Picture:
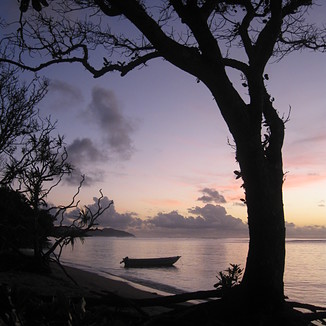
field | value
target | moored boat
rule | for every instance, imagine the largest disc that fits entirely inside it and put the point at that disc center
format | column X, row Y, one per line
column 150, row 262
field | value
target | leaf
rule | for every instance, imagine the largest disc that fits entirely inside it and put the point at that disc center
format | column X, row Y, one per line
column 238, row 174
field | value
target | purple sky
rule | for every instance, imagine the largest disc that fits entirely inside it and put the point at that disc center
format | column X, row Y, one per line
column 155, row 142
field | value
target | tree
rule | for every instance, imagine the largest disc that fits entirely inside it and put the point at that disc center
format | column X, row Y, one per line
column 198, row 37
column 18, row 115
column 41, row 167
column 33, row 162
column 15, row 219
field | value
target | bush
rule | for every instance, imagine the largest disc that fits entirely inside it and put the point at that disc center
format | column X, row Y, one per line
column 17, row 222
column 229, row 277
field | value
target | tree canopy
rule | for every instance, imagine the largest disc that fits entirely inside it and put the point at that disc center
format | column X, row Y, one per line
column 76, row 31
column 204, row 39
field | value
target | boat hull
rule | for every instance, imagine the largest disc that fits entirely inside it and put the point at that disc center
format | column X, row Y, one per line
column 149, row 262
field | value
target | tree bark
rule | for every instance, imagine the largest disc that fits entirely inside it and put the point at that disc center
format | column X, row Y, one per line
column 263, row 278
column 262, row 173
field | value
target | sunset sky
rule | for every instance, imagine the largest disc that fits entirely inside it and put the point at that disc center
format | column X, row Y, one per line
column 155, row 142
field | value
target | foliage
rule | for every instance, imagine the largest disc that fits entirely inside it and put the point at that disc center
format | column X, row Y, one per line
column 40, row 165
column 18, row 113
column 22, row 307
column 25, row 308
column 229, row 277
column 205, row 39
column 34, row 162
column 66, row 232
column 16, row 227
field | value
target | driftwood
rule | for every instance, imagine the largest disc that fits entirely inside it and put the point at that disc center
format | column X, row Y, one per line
column 317, row 312
column 113, row 299
column 179, row 298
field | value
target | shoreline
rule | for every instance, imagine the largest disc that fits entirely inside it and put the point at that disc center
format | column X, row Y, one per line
column 92, row 285
column 116, row 284
column 88, row 283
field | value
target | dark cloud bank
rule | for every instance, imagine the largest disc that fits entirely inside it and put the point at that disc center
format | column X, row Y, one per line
column 211, row 220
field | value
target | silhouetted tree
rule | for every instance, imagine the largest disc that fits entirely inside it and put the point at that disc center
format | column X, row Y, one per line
column 33, row 162
column 17, row 229
column 42, row 165
column 198, row 37
column 18, row 115
column 15, row 221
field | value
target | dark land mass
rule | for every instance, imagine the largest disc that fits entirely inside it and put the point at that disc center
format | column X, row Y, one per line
column 106, row 232
column 109, row 232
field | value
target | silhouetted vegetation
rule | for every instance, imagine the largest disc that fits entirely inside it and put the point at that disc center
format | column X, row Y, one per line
column 16, row 227
column 18, row 112
column 229, row 278
column 34, row 162
column 197, row 37
column 24, row 307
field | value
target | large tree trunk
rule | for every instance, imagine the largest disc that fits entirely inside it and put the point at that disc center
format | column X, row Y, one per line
column 262, row 172
column 263, row 278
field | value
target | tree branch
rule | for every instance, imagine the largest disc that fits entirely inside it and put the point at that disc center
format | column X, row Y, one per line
column 125, row 68
column 239, row 65
column 268, row 36
column 186, row 58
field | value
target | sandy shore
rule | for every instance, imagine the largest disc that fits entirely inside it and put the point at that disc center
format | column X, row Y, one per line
column 87, row 283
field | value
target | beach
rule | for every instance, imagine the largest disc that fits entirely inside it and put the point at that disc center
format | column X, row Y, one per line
column 104, row 297
column 107, row 301
column 88, row 284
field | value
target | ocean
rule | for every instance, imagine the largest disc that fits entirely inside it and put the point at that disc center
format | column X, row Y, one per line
column 201, row 260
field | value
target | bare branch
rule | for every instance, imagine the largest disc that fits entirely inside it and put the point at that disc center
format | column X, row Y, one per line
column 84, row 222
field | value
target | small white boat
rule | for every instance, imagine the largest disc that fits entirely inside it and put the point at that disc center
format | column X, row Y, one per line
column 149, row 262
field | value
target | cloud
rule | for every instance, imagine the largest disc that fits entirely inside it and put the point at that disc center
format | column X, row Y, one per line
column 209, row 216
column 105, row 111
column 202, row 220
column 216, row 216
column 211, row 195
column 171, row 220
column 91, row 177
column 67, row 94
column 309, row 231
column 111, row 218
column 208, row 221
column 241, row 204
column 81, row 152
column 84, row 150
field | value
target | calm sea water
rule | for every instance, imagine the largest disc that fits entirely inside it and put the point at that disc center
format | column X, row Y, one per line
column 201, row 260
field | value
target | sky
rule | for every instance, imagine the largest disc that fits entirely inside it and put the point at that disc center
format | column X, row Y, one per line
column 155, row 143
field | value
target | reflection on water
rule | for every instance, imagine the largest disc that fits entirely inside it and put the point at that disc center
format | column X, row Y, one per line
column 305, row 271
column 201, row 260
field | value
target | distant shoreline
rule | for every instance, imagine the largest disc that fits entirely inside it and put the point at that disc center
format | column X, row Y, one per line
column 110, row 232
